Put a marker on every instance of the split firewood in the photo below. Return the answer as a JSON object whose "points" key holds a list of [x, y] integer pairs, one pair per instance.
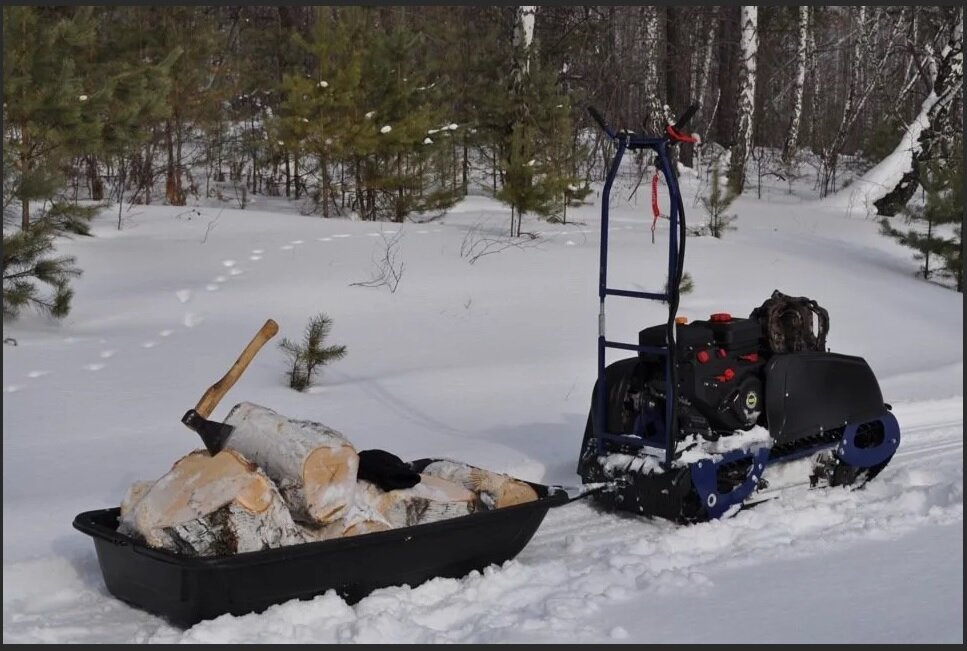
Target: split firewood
{"points": [[137, 490], [431, 500], [313, 465], [209, 505], [494, 489]]}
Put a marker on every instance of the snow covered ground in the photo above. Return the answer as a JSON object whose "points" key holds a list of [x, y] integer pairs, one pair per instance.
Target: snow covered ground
{"points": [[491, 363]]}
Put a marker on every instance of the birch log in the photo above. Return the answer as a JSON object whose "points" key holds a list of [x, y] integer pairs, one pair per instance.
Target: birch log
{"points": [[313, 465], [209, 505], [495, 490], [433, 499]]}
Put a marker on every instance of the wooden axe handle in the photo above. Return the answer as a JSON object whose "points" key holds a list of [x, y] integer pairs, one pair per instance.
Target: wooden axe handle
{"points": [[217, 391]]}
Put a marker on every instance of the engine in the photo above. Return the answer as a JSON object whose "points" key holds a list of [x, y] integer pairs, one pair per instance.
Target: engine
{"points": [[720, 377]]}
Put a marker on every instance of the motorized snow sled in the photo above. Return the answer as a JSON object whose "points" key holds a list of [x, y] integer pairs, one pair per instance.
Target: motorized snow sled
{"points": [[687, 428]]}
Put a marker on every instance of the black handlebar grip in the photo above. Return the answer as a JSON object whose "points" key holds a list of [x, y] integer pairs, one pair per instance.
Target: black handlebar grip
{"points": [[600, 120], [686, 116]]}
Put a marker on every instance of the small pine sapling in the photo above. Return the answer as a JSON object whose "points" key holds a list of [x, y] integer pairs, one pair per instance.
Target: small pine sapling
{"points": [[715, 204], [307, 357]]}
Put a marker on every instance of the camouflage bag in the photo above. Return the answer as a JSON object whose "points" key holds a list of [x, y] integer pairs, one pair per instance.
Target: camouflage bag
{"points": [[792, 323]]}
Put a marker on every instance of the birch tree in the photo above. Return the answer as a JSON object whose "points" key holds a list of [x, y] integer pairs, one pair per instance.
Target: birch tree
{"points": [[748, 49], [799, 85]]}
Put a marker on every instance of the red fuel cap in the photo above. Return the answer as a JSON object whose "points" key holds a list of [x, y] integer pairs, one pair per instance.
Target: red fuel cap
{"points": [[702, 356], [720, 316]]}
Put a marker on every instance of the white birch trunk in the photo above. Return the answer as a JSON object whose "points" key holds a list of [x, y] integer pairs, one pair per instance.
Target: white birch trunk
{"points": [[209, 505], [748, 50], [654, 104], [495, 490], [799, 85], [313, 465], [524, 35], [706, 66]]}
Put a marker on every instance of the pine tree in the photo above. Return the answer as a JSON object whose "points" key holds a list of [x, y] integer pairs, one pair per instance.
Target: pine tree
{"points": [[937, 238], [307, 358], [716, 202], [48, 113], [371, 108], [135, 90], [32, 276], [411, 169], [535, 180]]}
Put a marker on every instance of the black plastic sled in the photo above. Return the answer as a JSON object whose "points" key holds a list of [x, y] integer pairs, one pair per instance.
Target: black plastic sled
{"points": [[186, 590]]}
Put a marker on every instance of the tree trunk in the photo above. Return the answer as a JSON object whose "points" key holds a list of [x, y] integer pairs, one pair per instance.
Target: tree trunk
{"points": [[678, 69], [653, 95], [171, 184], [24, 172], [792, 133], [209, 505], [728, 56], [313, 465], [746, 99]]}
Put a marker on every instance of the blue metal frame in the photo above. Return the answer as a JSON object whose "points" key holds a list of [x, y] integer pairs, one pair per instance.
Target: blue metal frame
{"points": [[659, 145]]}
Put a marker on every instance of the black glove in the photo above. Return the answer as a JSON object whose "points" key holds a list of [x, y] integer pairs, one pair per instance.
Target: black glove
{"points": [[386, 470]]}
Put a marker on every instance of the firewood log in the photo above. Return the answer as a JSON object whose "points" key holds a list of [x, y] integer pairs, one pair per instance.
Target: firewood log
{"points": [[313, 465], [494, 489], [209, 505], [137, 490], [431, 500]]}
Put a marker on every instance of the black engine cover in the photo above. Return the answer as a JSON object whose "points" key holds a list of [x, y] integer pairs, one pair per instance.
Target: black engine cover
{"points": [[811, 392]]}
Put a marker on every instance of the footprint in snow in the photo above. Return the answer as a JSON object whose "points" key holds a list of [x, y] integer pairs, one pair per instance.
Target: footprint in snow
{"points": [[34, 374], [191, 320], [228, 263], [391, 232], [286, 247], [324, 239], [296, 242], [107, 354], [165, 333], [220, 279], [258, 251], [422, 232], [255, 257], [343, 235], [570, 243], [149, 344], [184, 295], [212, 287], [374, 234], [235, 271], [96, 366], [10, 388]]}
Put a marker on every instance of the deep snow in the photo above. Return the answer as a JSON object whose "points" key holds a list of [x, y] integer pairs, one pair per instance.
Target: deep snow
{"points": [[491, 363]]}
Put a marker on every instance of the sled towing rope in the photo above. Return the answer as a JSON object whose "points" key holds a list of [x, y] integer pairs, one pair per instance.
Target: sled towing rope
{"points": [[687, 428]]}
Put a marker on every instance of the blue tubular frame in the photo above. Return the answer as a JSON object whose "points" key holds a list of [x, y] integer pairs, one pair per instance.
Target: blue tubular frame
{"points": [[631, 142]]}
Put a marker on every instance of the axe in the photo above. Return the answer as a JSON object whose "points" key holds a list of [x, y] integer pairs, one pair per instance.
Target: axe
{"points": [[215, 434]]}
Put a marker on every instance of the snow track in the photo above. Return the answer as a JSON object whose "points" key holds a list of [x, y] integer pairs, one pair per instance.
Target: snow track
{"points": [[583, 567]]}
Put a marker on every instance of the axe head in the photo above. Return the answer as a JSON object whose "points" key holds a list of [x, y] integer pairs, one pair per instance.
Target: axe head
{"points": [[214, 434]]}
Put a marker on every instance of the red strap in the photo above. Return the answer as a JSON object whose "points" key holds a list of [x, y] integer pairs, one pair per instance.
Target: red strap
{"points": [[678, 136]]}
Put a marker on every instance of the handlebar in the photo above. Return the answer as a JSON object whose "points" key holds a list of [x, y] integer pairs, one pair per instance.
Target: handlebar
{"points": [[686, 116], [673, 132], [601, 122]]}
